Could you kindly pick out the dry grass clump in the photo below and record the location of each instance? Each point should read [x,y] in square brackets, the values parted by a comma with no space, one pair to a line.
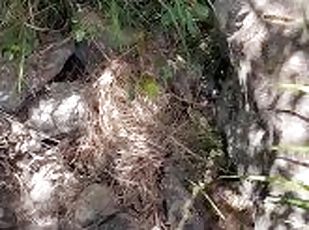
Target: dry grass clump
[129,141]
[123,139]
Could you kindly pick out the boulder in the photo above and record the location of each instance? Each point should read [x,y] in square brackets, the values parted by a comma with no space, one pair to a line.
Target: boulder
[261,111]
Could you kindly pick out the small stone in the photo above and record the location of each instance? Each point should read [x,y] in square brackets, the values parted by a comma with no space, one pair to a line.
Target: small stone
[95,201]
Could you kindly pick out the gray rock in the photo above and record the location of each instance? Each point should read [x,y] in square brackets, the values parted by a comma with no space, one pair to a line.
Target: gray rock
[177,199]
[96,208]
[118,222]
[61,111]
[42,66]
[8,81]
[95,202]
[7,216]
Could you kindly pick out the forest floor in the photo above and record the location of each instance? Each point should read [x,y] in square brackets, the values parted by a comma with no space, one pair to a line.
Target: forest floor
[149,73]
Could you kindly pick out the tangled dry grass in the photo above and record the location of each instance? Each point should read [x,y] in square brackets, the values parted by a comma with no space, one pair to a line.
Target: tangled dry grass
[130,141]
[123,140]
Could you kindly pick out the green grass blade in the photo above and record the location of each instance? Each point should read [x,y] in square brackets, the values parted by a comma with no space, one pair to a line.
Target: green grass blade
[295,87]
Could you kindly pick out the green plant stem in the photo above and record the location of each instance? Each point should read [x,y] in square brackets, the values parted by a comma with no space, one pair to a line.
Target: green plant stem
[180,34]
[21,62]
